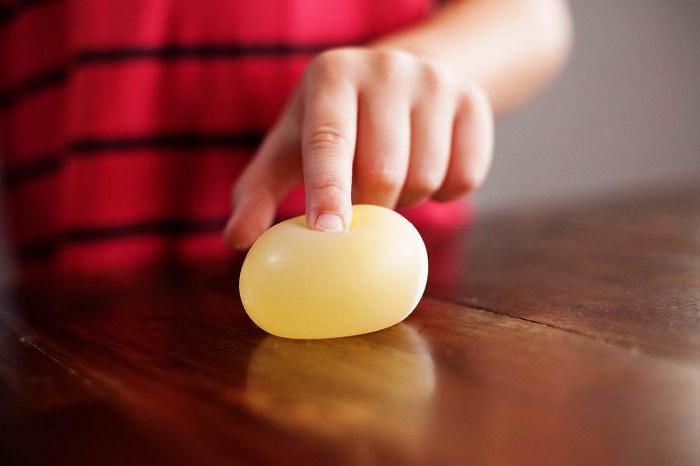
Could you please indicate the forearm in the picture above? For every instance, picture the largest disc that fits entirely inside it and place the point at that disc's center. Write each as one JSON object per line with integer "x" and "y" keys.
{"x": 511, "y": 48}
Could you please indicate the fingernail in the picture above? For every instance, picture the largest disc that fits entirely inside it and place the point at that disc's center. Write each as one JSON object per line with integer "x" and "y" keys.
{"x": 329, "y": 222}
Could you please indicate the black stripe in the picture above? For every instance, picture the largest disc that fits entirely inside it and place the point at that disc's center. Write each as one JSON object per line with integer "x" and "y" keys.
{"x": 170, "y": 228}
{"x": 42, "y": 166}
{"x": 178, "y": 141}
{"x": 35, "y": 83}
{"x": 58, "y": 75}
{"x": 89, "y": 147}
{"x": 201, "y": 51}
{"x": 11, "y": 12}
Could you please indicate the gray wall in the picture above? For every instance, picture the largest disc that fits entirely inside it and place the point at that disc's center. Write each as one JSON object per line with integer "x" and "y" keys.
{"x": 624, "y": 115}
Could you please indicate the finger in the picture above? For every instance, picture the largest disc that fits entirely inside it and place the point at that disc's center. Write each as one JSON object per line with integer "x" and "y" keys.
{"x": 273, "y": 172}
{"x": 328, "y": 144}
{"x": 472, "y": 146}
{"x": 383, "y": 140}
{"x": 431, "y": 138}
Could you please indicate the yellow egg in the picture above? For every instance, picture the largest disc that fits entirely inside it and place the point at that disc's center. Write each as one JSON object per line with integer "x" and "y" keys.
{"x": 301, "y": 283}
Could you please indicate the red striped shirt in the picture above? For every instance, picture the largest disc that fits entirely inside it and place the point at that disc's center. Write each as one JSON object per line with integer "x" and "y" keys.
{"x": 124, "y": 123}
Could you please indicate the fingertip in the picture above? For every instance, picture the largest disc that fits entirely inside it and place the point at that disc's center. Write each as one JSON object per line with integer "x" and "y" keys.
{"x": 328, "y": 207}
{"x": 329, "y": 218}
{"x": 246, "y": 225}
{"x": 227, "y": 233}
{"x": 232, "y": 235}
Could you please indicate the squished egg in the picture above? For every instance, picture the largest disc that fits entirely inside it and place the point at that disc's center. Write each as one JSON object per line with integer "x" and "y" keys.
{"x": 300, "y": 283}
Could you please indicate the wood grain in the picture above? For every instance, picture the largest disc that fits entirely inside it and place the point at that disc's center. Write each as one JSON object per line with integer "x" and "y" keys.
{"x": 626, "y": 271}
{"x": 564, "y": 337}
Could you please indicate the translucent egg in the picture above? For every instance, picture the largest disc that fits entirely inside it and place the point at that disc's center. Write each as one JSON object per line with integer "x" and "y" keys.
{"x": 301, "y": 283}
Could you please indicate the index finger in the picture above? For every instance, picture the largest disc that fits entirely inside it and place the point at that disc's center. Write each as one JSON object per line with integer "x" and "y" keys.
{"x": 328, "y": 144}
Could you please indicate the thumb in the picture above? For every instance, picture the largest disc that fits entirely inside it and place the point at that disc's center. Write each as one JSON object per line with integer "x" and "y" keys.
{"x": 273, "y": 172}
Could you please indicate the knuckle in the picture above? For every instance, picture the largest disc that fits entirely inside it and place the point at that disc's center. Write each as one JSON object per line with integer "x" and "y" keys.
{"x": 382, "y": 179}
{"x": 434, "y": 78}
{"x": 413, "y": 195}
{"x": 464, "y": 183}
{"x": 392, "y": 65}
{"x": 474, "y": 97}
{"x": 324, "y": 138}
{"x": 325, "y": 186}
{"x": 424, "y": 182}
{"x": 330, "y": 66}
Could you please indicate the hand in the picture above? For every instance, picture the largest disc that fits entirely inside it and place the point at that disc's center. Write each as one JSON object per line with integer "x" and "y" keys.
{"x": 372, "y": 125}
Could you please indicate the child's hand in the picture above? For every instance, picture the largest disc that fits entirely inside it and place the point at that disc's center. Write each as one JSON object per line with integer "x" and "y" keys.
{"x": 381, "y": 125}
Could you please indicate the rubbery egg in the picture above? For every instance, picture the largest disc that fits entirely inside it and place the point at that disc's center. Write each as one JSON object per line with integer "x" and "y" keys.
{"x": 301, "y": 283}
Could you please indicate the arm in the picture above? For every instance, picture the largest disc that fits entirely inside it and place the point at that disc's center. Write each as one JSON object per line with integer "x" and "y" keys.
{"x": 511, "y": 48}
{"x": 404, "y": 119}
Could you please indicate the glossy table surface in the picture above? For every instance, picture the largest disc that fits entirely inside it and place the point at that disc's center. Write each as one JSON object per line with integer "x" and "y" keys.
{"x": 565, "y": 336}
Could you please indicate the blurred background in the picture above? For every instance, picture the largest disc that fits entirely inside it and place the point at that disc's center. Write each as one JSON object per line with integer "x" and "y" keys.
{"x": 624, "y": 115}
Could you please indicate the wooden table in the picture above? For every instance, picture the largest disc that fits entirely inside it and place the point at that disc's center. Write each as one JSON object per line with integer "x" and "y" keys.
{"x": 546, "y": 337}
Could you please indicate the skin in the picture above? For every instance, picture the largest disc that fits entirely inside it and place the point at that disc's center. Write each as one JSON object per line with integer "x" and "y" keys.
{"x": 402, "y": 120}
